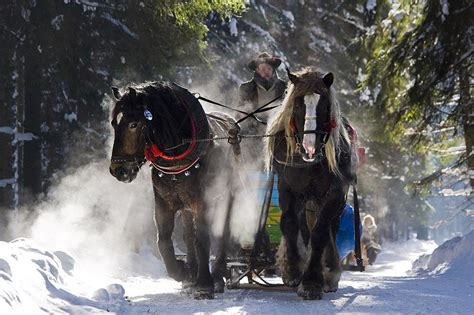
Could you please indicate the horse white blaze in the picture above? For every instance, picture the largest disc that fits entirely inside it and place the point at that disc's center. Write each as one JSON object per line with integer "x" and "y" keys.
{"x": 309, "y": 139}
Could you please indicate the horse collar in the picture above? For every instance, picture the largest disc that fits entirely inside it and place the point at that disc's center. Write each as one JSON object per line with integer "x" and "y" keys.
{"x": 183, "y": 162}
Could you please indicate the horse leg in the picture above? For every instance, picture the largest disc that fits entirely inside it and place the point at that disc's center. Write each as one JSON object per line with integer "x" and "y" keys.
{"x": 219, "y": 267}
{"x": 191, "y": 260}
{"x": 332, "y": 271}
{"x": 164, "y": 219}
{"x": 288, "y": 256}
{"x": 312, "y": 282}
{"x": 204, "y": 288}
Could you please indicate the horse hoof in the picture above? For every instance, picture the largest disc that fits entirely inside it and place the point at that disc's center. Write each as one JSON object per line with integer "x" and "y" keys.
{"x": 187, "y": 285}
{"x": 203, "y": 294}
{"x": 219, "y": 286}
{"x": 330, "y": 289}
{"x": 292, "y": 283}
{"x": 187, "y": 290}
{"x": 331, "y": 281}
{"x": 178, "y": 272}
{"x": 310, "y": 292}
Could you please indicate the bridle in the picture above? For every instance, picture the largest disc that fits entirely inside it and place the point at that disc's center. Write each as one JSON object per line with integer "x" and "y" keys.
{"x": 324, "y": 134}
{"x": 319, "y": 157}
{"x": 128, "y": 159}
{"x": 138, "y": 161}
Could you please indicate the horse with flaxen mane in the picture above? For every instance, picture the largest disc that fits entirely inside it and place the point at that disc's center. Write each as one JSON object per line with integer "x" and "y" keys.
{"x": 316, "y": 162}
{"x": 166, "y": 125}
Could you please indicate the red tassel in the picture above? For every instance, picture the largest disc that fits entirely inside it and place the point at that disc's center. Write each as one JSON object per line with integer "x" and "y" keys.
{"x": 148, "y": 154}
{"x": 361, "y": 156}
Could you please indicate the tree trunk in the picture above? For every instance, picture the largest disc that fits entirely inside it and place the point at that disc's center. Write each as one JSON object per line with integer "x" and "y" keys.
{"x": 465, "y": 101}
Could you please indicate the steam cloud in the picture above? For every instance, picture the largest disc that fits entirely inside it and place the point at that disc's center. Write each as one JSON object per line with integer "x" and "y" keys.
{"x": 98, "y": 219}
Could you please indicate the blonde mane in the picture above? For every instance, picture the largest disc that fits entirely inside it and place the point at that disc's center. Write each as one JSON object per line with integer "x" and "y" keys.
{"x": 308, "y": 81}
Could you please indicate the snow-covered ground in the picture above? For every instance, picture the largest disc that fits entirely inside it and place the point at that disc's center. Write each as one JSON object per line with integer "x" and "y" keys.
{"x": 34, "y": 280}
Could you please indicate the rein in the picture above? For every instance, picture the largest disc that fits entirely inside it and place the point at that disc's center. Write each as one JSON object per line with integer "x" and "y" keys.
{"x": 261, "y": 109}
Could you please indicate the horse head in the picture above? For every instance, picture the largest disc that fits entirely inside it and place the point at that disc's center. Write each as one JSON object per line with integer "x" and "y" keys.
{"x": 129, "y": 123}
{"x": 159, "y": 122}
{"x": 312, "y": 109}
{"x": 310, "y": 119}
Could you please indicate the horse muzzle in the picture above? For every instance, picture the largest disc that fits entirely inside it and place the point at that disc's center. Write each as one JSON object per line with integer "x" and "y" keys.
{"x": 309, "y": 149}
{"x": 124, "y": 172}
{"x": 312, "y": 154}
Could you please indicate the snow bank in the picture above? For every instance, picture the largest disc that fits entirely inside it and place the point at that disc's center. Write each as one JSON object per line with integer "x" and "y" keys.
{"x": 34, "y": 281}
{"x": 33, "y": 278}
{"x": 455, "y": 256}
{"x": 397, "y": 258}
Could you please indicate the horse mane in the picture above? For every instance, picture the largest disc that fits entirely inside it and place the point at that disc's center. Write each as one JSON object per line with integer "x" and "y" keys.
{"x": 309, "y": 80}
{"x": 160, "y": 99}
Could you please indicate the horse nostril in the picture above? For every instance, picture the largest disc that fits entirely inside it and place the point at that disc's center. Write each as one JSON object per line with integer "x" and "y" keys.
{"x": 120, "y": 172}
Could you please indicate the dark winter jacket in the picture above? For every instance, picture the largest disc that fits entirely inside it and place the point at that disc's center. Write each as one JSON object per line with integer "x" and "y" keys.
{"x": 248, "y": 91}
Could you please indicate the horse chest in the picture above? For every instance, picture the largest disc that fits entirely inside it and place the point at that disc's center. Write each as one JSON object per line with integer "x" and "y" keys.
{"x": 180, "y": 185}
{"x": 307, "y": 181}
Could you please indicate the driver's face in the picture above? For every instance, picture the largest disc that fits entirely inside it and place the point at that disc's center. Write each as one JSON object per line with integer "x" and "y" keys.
{"x": 265, "y": 71}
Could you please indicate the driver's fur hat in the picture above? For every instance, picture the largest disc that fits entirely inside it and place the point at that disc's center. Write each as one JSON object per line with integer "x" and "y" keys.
{"x": 264, "y": 58}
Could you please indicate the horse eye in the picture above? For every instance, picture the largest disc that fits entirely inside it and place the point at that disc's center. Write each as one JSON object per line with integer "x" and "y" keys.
{"x": 133, "y": 125}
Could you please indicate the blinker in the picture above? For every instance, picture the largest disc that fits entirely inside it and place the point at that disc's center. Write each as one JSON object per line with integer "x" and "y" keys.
{"x": 148, "y": 115}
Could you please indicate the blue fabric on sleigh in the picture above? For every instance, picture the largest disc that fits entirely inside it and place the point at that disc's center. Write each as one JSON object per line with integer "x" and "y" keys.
{"x": 345, "y": 235}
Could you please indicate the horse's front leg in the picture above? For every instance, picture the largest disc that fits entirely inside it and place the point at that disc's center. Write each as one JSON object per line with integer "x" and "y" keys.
{"x": 288, "y": 256}
{"x": 332, "y": 263}
{"x": 312, "y": 283}
{"x": 204, "y": 288}
{"x": 164, "y": 220}
{"x": 191, "y": 260}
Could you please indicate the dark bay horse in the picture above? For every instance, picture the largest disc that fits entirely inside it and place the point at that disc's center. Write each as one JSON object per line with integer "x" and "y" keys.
{"x": 165, "y": 124}
{"x": 315, "y": 162}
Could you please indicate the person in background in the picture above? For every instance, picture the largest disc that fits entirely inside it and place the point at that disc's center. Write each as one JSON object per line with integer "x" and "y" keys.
{"x": 265, "y": 84}
{"x": 264, "y": 87}
{"x": 371, "y": 248}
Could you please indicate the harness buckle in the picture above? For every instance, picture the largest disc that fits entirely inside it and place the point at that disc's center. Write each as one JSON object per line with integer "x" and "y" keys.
{"x": 234, "y": 136}
{"x": 299, "y": 148}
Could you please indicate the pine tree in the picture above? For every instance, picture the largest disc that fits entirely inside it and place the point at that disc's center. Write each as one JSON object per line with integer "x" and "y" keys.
{"x": 421, "y": 65}
{"x": 59, "y": 59}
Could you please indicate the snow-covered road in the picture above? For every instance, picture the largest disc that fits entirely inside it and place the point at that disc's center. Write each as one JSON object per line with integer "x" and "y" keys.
{"x": 34, "y": 280}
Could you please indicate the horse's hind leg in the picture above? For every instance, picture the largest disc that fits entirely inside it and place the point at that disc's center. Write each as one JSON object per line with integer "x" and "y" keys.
{"x": 204, "y": 288}
{"x": 219, "y": 267}
{"x": 332, "y": 271}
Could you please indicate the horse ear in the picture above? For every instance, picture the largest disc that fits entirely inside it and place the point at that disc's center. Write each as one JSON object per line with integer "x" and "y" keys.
{"x": 293, "y": 78}
{"x": 116, "y": 93}
{"x": 132, "y": 92}
{"x": 328, "y": 79}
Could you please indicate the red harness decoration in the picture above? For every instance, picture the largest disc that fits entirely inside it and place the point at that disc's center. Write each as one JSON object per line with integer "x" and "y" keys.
{"x": 331, "y": 125}
{"x": 153, "y": 152}
{"x": 359, "y": 150}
